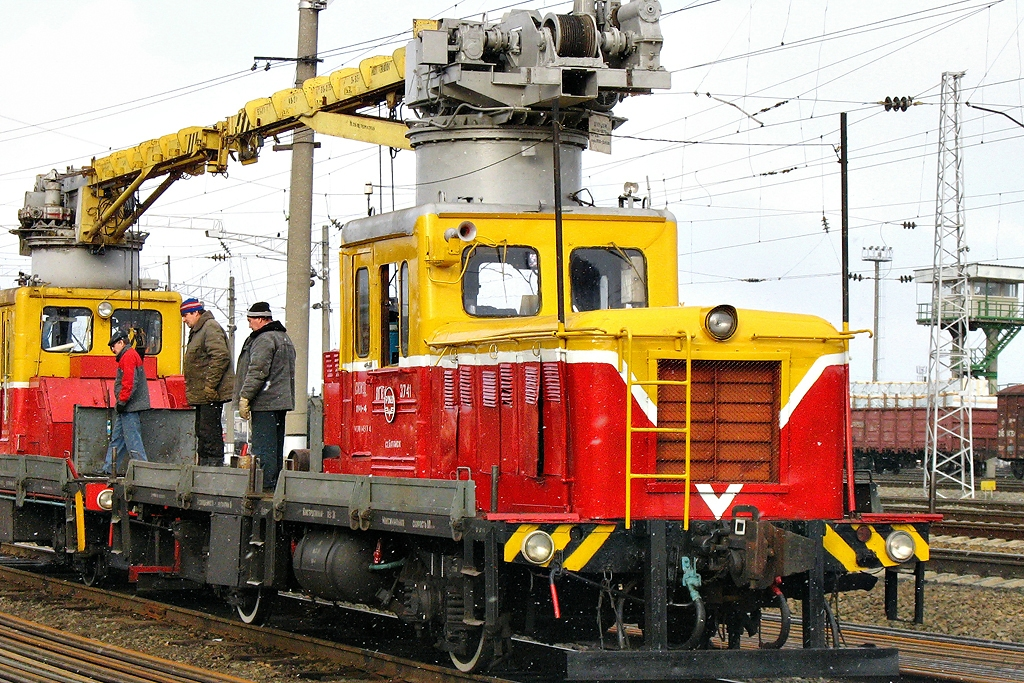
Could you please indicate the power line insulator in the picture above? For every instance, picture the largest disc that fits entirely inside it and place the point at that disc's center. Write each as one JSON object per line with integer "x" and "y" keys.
{"x": 897, "y": 103}
{"x": 909, "y": 225}
{"x": 906, "y": 278}
{"x": 856, "y": 277}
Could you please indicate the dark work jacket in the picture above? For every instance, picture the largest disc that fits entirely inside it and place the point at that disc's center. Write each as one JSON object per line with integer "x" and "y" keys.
{"x": 208, "y": 374}
{"x": 130, "y": 385}
{"x": 266, "y": 369}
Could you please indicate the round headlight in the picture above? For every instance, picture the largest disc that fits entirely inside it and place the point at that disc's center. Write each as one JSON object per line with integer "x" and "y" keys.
{"x": 900, "y": 546}
{"x": 105, "y": 309}
{"x": 720, "y": 322}
{"x": 105, "y": 499}
{"x": 538, "y": 547}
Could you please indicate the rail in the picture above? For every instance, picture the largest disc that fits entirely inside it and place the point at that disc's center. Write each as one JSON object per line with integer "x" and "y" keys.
{"x": 626, "y": 336}
{"x": 376, "y": 664}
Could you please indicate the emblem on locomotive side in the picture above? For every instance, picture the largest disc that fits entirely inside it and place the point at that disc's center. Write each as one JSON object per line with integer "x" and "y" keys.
{"x": 388, "y": 399}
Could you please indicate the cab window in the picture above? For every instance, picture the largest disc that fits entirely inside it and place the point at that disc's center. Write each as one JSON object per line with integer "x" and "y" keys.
{"x": 501, "y": 282}
{"x": 362, "y": 326}
{"x": 144, "y": 328}
{"x": 603, "y": 278}
{"x": 389, "y": 299}
{"x": 67, "y": 329}
{"x": 403, "y": 277}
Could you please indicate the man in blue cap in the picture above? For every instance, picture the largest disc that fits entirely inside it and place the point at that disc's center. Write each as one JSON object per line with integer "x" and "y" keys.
{"x": 131, "y": 393}
{"x": 209, "y": 379}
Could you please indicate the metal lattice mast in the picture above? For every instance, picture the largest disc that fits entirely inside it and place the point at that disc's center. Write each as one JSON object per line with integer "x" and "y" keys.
{"x": 948, "y": 447}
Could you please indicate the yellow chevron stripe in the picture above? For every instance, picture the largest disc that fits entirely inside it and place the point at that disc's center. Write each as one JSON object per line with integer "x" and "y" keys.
{"x": 561, "y": 538}
{"x": 876, "y": 544}
{"x": 920, "y": 545}
{"x": 590, "y": 545}
{"x": 840, "y": 549}
{"x": 513, "y": 544}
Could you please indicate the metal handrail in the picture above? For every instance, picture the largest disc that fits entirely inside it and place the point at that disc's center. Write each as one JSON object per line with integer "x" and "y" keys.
{"x": 627, "y": 335}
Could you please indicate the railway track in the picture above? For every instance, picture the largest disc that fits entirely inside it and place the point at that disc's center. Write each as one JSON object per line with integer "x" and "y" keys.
{"x": 369, "y": 663}
{"x": 951, "y": 561}
{"x": 31, "y": 652}
{"x": 933, "y": 656}
{"x": 914, "y": 478}
{"x": 922, "y": 655}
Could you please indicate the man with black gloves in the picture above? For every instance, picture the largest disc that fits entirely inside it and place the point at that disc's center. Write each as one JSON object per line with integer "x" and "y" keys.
{"x": 132, "y": 395}
{"x": 209, "y": 380}
{"x": 265, "y": 388}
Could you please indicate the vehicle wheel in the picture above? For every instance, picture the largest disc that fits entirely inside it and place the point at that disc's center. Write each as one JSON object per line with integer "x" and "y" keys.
{"x": 475, "y": 652}
{"x": 94, "y": 570}
{"x": 253, "y": 605}
{"x": 1017, "y": 468}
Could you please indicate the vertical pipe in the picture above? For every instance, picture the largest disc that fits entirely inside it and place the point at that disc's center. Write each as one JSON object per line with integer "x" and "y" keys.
{"x": 300, "y": 222}
{"x": 494, "y": 488}
{"x": 874, "y": 340}
{"x": 846, "y": 221}
{"x": 851, "y": 497}
{"x": 556, "y": 156}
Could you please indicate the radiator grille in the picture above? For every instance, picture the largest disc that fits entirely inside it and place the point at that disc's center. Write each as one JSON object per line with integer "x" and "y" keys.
{"x": 734, "y": 420}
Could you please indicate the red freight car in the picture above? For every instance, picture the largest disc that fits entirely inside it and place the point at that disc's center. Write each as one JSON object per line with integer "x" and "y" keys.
{"x": 1011, "y": 437}
{"x": 890, "y": 421}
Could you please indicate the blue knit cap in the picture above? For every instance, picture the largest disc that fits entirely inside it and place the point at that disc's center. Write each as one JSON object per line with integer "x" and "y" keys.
{"x": 191, "y": 306}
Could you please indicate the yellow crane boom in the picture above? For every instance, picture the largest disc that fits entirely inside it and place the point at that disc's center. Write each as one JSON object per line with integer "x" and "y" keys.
{"x": 327, "y": 104}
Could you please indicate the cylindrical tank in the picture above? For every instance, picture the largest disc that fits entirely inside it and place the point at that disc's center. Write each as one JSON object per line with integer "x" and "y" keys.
{"x": 61, "y": 262}
{"x": 489, "y": 165}
{"x": 335, "y": 565}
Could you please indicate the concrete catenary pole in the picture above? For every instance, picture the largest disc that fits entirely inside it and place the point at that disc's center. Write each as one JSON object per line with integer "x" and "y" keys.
{"x": 300, "y": 225}
{"x": 229, "y": 426}
{"x": 325, "y": 277}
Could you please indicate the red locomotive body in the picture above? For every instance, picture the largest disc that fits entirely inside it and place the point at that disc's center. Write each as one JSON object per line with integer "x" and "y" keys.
{"x": 553, "y": 431}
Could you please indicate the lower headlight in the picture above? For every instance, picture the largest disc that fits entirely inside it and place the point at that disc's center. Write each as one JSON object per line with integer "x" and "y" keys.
{"x": 105, "y": 499}
{"x": 538, "y": 547}
{"x": 900, "y": 546}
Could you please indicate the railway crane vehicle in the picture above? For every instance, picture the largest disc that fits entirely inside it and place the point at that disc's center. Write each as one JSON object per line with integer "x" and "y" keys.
{"x": 523, "y": 434}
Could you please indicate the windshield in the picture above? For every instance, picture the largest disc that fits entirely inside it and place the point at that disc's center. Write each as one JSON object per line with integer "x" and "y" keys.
{"x": 67, "y": 329}
{"x": 145, "y": 324}
{"x": 501, "y": 282}
{"x": 602, "y": 278}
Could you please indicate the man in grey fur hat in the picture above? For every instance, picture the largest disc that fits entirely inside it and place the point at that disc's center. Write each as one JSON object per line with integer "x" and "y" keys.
{"x": 265, "y": 388}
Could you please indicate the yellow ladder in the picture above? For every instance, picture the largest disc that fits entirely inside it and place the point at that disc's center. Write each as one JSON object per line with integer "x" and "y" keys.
{"x": 627, "y": 335}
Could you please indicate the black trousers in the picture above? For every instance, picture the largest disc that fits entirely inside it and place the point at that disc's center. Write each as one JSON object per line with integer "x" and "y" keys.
{"x": 267, "y": 437}
{"x": 210, "y": 433}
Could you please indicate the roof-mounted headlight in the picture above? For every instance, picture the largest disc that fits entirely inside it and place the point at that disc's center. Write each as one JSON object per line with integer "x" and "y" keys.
{"x": 900, "y": 546}
{"x": 720, "y": 322}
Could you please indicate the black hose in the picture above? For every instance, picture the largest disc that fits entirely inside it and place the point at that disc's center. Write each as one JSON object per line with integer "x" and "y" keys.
{"x": 785, "y": 621}
{"x": 833, "y": 624}
{"x": 700, "y": 620}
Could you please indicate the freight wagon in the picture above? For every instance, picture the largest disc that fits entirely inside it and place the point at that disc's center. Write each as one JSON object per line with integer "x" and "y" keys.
{"x": 890, "y": 420}
{"x": 1010, "y": 437}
